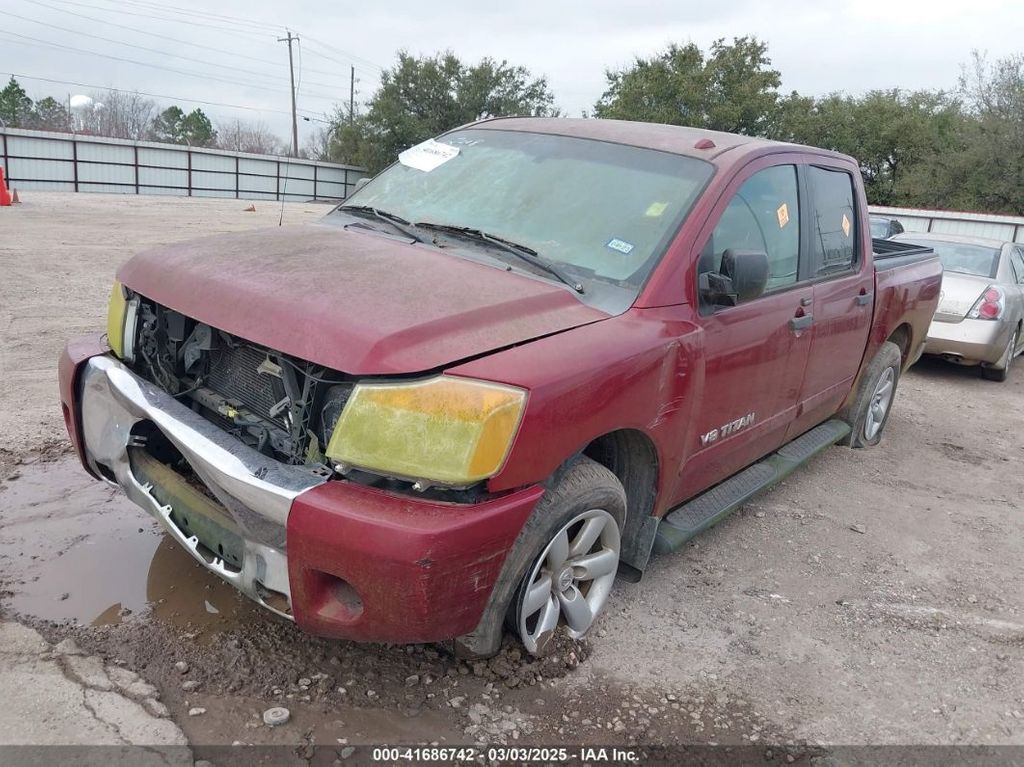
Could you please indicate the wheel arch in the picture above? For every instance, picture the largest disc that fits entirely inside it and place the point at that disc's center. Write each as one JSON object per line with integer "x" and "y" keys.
{"x": 903, "y": 337}
{"x": 632, "y": 456}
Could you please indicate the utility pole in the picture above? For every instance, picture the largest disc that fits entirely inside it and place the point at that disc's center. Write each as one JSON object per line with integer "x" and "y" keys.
{"x": 291, "y": 73}
{"x": 352, "y": 96}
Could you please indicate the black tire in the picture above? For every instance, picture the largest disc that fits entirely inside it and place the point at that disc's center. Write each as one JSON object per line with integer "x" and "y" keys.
{"x": 1001, "y": 374}
{"x": 888, "y": 358}
{"x": 581, "y": 485}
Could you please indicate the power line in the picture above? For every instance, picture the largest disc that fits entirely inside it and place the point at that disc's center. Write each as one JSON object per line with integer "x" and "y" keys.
{"x": 200, "y": 75}
{"x": 162, "y": 8}
{"x": 177, "y": 40}
{"x": 233, "y": 54}
{"x": 183, "y": 99}
{"x": 250, "y": 34}
{"x": 160, "y": 52}
{"x": 346, "y": 54}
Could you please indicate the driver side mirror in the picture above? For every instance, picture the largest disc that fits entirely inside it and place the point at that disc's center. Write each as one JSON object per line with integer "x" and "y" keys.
{"x": 743, "y": 276}
{"x": 360, "y": 184}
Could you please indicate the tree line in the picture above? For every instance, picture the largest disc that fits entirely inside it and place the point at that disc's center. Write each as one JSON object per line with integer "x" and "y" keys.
{"x": 120, "y": 114}
{"x": 960, "y": 148}
{"x": 957, "y": 148}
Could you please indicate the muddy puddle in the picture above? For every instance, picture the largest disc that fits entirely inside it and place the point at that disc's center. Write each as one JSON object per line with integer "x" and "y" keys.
{"x": 75, "y": 549}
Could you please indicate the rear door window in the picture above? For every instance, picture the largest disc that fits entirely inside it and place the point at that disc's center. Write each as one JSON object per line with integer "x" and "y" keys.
{"x": 833, "y": 222}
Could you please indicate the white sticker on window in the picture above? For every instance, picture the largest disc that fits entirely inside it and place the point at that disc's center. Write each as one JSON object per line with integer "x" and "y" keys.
{"x": 620, "y": 245}
{"x": 428, "y": 155}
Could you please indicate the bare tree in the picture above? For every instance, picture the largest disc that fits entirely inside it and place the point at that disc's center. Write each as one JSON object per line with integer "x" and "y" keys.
{"x": 120, "y": 114}
{"x": 254, "y": 137}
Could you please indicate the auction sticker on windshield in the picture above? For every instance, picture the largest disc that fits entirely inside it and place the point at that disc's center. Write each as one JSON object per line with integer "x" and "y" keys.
{"x": 428, "y": 155}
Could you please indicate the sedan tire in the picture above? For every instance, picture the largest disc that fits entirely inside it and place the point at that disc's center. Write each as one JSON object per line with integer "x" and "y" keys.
{"x": 1001, "y": 371}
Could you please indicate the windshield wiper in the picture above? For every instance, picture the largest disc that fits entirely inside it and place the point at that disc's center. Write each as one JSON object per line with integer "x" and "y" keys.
{"x": 399, "y": 223}
{"x": 524, "y": 252}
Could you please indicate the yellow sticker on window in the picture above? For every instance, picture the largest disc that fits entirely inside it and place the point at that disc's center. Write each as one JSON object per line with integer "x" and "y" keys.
{"x": 846, "y": 225}
{"x": 655, "y": 209}
{"x": 783, "y": 214}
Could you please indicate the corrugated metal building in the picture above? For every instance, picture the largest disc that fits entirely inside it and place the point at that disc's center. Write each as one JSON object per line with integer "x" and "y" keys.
{"x": 77, "y": 163}
{"x": 1010, "y": 228}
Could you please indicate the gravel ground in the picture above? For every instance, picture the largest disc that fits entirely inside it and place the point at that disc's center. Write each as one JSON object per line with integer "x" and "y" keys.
{"x": 873, "y": 598}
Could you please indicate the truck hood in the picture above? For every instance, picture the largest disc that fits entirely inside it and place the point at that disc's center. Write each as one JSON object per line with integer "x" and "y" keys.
{"x": 353, "y": 301}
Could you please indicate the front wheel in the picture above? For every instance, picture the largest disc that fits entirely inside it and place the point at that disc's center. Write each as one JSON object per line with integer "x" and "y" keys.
{"x": 577, "y": 544}
{"x": 869, "y": 411}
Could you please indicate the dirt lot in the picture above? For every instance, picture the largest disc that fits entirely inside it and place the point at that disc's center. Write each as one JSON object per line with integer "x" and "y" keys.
{"x": 875, "y": 597}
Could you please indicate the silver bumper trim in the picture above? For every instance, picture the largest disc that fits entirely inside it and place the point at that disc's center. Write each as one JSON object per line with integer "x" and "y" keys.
{"x": 256, "y": 490}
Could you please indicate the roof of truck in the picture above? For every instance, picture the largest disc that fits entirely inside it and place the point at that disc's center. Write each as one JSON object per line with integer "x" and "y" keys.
{"x": 676, "y": 139}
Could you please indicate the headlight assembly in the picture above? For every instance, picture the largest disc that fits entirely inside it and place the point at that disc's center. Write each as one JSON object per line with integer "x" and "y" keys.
{"x": 444, "y": 430}
{"x": 121, "y": 315}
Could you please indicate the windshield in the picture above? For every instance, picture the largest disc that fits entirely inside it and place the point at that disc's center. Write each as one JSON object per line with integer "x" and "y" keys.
{"x": 880, "y": 227}
{"x": 966, "y": 258}
{"x": 604, "y": 212}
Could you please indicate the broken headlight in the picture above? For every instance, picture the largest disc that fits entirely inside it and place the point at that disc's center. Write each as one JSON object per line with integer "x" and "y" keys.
{"x": 122, "y": 313}
{"x": 444, "y": 430}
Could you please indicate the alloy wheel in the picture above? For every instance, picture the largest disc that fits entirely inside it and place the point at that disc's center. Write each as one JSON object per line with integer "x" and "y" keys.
{"x": 570, "y": 580}
{"x": 881, "y": 399}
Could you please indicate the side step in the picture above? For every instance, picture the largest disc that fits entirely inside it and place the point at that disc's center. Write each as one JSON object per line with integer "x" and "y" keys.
{"x": 700, "y": 513}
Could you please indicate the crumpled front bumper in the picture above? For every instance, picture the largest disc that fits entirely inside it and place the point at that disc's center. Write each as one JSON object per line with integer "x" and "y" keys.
{"x": 353, "y": 562}
{"x": 255, "y": 490}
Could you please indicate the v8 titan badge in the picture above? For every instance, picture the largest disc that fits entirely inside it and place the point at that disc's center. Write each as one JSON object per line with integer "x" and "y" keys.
{"x": 846, "y": 225}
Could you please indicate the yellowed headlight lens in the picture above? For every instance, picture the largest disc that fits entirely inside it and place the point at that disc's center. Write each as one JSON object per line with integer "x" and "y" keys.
{"x": 448, "y": 430}
{"x": 116, "y": 311}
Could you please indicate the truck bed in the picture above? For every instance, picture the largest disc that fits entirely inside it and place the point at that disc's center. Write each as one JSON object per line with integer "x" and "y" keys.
{"x": 890, "y": 254}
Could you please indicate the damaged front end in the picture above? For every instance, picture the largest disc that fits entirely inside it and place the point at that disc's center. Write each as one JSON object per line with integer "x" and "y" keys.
{"x": 283, "y": 408}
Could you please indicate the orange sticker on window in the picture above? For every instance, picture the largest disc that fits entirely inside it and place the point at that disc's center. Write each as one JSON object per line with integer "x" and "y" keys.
{"x": 783, "y": 214}
{"x": 846, "y": 225}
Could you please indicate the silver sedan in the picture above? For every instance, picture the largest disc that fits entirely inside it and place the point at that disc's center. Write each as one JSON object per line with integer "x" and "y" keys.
{"x": 981, "y": 309}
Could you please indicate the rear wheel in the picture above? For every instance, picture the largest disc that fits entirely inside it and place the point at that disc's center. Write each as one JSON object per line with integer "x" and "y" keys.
{"x": 1001, "y": 371}
{"x": 576, "y": 543}
{"x": 869, "y": 411}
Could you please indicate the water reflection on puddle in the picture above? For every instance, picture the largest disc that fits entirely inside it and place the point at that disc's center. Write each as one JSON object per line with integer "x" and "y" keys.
{"x": 73, "y": 548}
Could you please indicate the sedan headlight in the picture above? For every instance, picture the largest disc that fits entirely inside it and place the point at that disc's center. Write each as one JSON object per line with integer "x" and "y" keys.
{"x": 448, "y": 430}
{"x": 121, "y": 315}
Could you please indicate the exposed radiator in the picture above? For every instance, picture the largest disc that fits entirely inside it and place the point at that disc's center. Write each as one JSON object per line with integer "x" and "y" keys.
{"x": 234, "y": 374}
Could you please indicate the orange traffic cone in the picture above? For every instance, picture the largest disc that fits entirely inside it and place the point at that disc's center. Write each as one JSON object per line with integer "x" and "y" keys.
{"x": 5, "y": 196}
{"x": 14, "y": 197}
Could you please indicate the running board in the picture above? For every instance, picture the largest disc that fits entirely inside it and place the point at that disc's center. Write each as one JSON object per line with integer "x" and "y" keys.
{"x": 697, "y": 515}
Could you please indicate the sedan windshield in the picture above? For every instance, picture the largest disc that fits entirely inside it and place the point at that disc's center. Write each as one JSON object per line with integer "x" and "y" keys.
{"x": 879, "y": 227}
{"x": 603, "y": 213}
{"x": 966, "y": 258}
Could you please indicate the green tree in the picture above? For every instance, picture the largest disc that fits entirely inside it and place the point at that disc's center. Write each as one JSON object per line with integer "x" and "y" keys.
{"x": 731, "y": 88}
{"x": 175, "y": 127}
{"x": 894, "y": 135}
{"x": 987, "y": 173}
{"x": 15, "y": 105}
{"x": 420, "y": 97}
{"x": 50, "y": 114}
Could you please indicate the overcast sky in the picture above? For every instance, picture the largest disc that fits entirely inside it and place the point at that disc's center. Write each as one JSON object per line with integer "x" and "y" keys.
{"x": 849, "y": 45}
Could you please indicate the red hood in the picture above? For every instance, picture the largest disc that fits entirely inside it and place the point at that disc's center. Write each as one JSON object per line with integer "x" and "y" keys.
{"x": 352, "y": 301}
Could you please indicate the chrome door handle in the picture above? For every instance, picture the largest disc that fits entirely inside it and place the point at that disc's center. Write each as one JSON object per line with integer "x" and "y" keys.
{"x": 800, "y": 323}
{"x": 863, "y": 299}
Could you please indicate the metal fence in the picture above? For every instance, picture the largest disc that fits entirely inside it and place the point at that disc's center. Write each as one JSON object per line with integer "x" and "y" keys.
{"x": 78, "y": 163}
{"x": 1008, "y": 228}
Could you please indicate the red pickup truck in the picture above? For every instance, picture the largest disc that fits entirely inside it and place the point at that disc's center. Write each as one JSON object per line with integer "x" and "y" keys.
{"x": 507, "y": 369}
